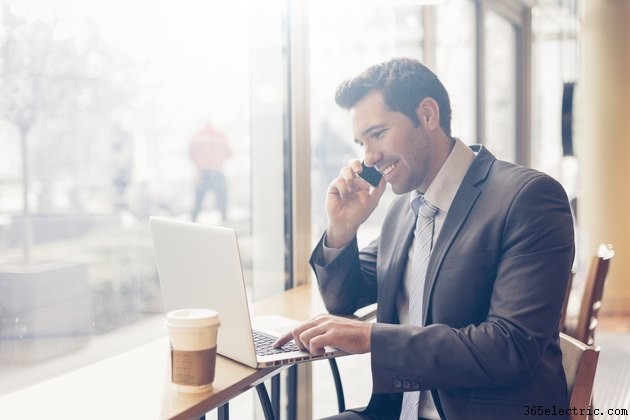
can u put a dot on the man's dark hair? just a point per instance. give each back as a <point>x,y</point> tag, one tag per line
<point>404,83</point>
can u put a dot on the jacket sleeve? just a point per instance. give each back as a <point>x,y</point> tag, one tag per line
<point>348,282</point>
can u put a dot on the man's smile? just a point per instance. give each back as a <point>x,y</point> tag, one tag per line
<point>388,169</point>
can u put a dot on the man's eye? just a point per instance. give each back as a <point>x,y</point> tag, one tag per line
<point>378,134</point>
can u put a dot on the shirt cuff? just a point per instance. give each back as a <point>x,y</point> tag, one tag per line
<point>329,254</point>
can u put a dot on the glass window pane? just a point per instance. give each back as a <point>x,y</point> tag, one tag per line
<point>268,137</point>
<point>111,112</point>
<point>500,81</point>
<point>456,67</point>
<point>555,65</point>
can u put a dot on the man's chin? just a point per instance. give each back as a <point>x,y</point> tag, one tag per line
<point>400,189</point>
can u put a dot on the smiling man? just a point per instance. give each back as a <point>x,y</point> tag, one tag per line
<point>469,270</point>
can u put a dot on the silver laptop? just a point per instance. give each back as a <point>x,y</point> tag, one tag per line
<point>199,266</point>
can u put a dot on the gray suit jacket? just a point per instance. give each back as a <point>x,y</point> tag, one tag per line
<point>494,290</point>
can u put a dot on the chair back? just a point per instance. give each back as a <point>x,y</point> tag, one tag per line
<point>579,361</point>
<point>565,304</point>
<point>592,297</point>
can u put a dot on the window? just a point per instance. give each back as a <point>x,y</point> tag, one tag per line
<point>555,62</point>
<point>500,86</point>
<point>456,65</point>
<point>106,111</point>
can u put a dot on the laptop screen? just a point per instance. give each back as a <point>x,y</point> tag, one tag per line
<point>199,266</point>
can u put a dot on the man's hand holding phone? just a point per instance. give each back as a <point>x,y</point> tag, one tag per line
<point>350,201</point>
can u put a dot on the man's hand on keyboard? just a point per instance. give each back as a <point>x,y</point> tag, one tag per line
<point>329,330</point>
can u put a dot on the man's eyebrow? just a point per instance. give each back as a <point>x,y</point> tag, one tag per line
<point>372,128</point>
<point>369,130</point>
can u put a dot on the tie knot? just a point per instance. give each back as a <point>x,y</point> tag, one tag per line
<point>422,207</point>
<point>428,210</point>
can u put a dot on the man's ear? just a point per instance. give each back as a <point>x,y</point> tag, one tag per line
<point>428,113</point>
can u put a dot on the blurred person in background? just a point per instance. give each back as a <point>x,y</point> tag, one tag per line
<point>208,150</point>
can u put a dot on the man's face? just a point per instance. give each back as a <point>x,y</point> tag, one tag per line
<point>400,150</point>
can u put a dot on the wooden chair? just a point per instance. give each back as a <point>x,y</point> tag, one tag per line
<point>579,361</point>
<point>583,327</point>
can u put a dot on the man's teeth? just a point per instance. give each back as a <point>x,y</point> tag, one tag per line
<point>388,169</point>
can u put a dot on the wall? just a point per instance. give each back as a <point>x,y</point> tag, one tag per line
<point>603,141</point>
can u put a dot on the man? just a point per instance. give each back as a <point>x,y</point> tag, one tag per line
<point>484,343</point>
<point>208,150</point>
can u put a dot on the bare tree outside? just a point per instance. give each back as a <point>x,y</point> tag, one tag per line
<point>49,87</point>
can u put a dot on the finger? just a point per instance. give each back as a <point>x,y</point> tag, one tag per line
<point>347,174</point>
<point>317,345</point>
<point>349,188</point>
<point>291,335</point>
<point>282,340</point>
<point>354,183</point>
<point>378,191</point>
<point>339,187</point>
<point>316,334</point>
<point>299,343</point>
<point>297,332</point>
<point>355,165</point>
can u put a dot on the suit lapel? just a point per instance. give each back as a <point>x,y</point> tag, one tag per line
<point>463,202</point>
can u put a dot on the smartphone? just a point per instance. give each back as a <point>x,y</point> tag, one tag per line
<point>371,175</point>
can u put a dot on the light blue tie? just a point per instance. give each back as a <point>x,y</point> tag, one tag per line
<point>422,246</point>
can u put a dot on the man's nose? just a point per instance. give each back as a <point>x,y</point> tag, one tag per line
<point>371,156</point>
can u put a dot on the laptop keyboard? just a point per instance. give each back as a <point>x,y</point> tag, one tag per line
<point>264,345</point>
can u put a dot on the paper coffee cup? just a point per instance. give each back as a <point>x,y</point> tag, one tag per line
<point>193,337</point>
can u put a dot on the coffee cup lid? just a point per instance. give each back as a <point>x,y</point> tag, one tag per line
<point>192,317</point>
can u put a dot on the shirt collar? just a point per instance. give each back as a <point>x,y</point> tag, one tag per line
<point>444,186</point>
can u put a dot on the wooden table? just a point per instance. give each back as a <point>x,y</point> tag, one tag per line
<point>136,384</point>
